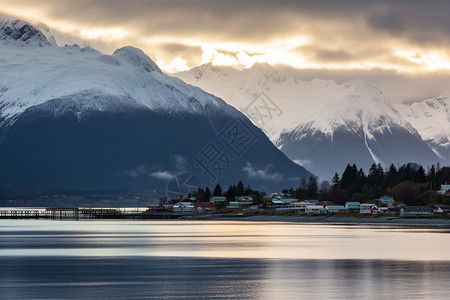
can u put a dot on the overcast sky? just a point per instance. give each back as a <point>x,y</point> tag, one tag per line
<point>403,46</point>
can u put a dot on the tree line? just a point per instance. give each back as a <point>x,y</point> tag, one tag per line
<point>410,184</point>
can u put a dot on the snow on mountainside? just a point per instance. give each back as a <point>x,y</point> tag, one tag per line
<point>431,118</point>
<point>31,77</point>
<point>75,118</point>
<point>322,104</point>
<point>45,30</point>
<point>296,114</point>
<point>21,33</point>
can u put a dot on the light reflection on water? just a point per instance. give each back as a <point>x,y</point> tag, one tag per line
<point>220,260</point>
<point>233,239</point>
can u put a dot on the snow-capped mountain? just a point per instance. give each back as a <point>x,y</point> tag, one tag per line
<point>318,124</point>
<point>73,117</point>
<point>21,33</point>
<point>431,118</point>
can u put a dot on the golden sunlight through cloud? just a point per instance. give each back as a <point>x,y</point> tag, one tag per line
<point>306,36</point>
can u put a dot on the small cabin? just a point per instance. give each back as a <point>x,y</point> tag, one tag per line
<point>368,208</point>
<point>218,200</point>
<point>335,208</point>
<point>385,200</point>
<point>352,205</point>
<point>445,190</point>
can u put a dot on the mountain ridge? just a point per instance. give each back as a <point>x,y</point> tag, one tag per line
<point>74,117</point>
<point>318,112</point>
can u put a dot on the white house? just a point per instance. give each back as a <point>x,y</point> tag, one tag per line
<point>439,208</point>
<point>386,200</point>
<point>445,190</point>
<point>183,207</point>
<point>312,201</point>
<point>217,200</point>
<point>245,199</point>
<point>335,208</point>
<point>241,203</point>
<point>282,202</point>
<point>302,208</point>
<point>414,211</point>
<point>368,208</point>
<point>206,207</point>
<point>352,205</point>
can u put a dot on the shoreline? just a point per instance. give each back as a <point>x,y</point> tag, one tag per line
<point>422,222</point>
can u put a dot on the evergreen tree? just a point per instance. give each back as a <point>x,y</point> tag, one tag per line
<point>360,181</point>
<point>443,175</point>
<point>375,178</point>
<point>240,189</point>
<point>324,187</point>
<point>303,183</point>
<point>405,173</point>
<point>217,190</point>
<point>336,181</point>
<point>380,175</point>
<point>391,178</point>
<point>200,195</point>
<point>420,175</point>
<point>432,177</point>
<point>349,177</point>
<point>312,187</point>
<point>248,191</point>
<point>231,193</point>
<point>207,194</point>
<point>372,176</point>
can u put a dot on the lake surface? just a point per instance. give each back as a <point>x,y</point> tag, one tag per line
<point>42,259</point>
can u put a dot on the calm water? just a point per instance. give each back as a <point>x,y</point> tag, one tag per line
<point>220,260</point>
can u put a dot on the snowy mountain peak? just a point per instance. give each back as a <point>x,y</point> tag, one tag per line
<point>319,123</point>
<point>101,121</point>
<point>22,33</point>
<point>363,87</point>
<point>264,72</point>
<point>137,58</point>
<point>431,118</point>
<point>47,33</point>
<point>208,70</point>
<point>263,67</point>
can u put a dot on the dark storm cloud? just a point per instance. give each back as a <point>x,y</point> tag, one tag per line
<point>325,55</point>
<point>251,18</point>
<point>167,51</point>
<point>334,56</point>
<point>356,32</point>
<point>420,22</point>
<point>174,49</point>
<point>397,86</point>
<point>361,54</point>
<point>414,20</point>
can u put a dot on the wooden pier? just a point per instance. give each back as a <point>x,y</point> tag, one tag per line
<point>76,213</point>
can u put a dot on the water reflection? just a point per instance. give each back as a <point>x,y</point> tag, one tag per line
<point>220,260</point>
<point>208,278</point>
<point>262,240</point>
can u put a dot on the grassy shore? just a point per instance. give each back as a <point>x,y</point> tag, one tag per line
<point>339,219</point>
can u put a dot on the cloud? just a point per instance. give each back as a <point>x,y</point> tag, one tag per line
<point>396,86</point>
<point>262,174</point>
<point>424,23</point>
<point>163,175</point>
<point>347,34</point>
<point>143,171</point>
<point>181,163</point>
<point>306,163</point>
<point>319,54</point>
